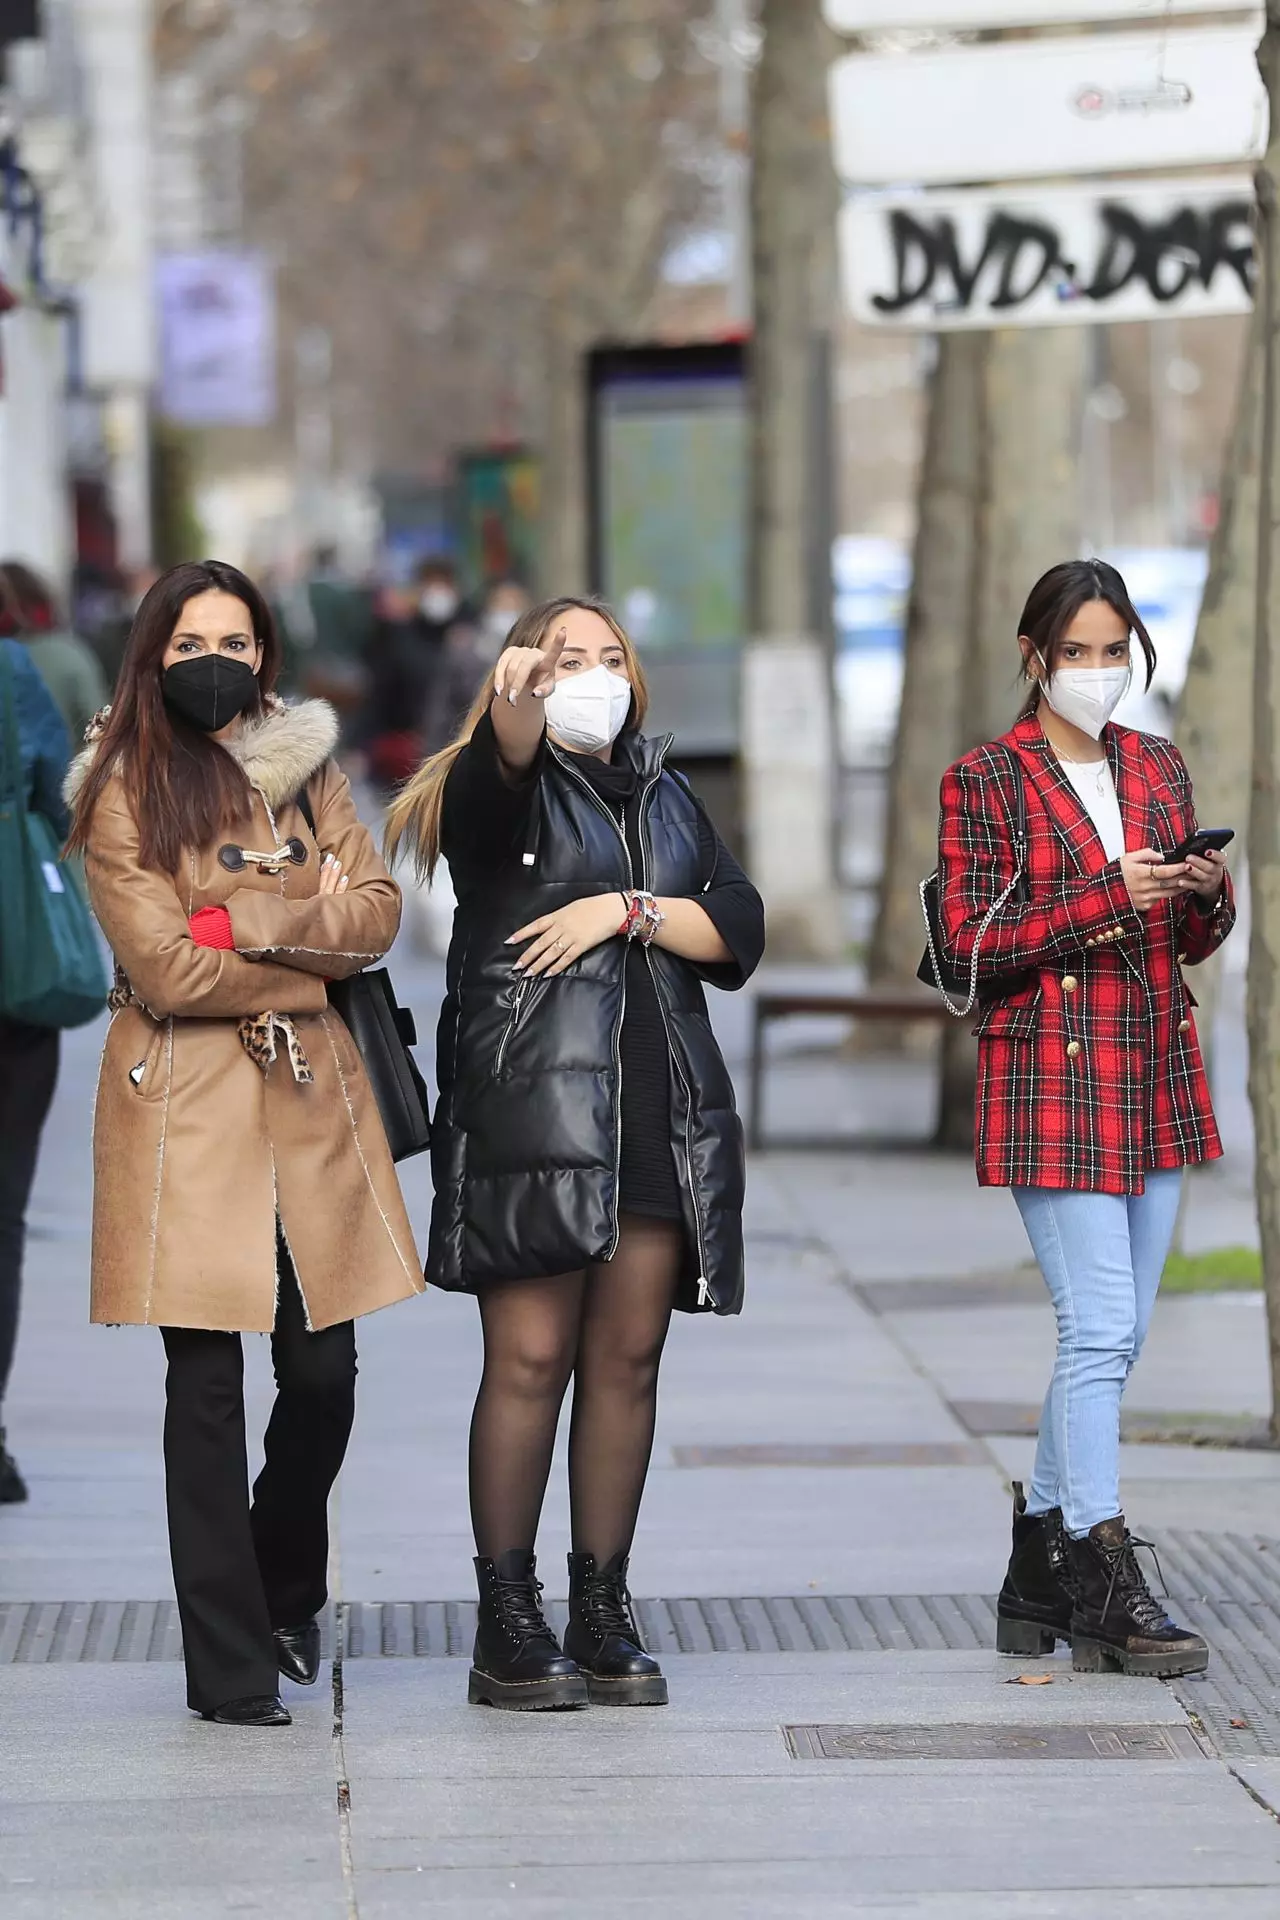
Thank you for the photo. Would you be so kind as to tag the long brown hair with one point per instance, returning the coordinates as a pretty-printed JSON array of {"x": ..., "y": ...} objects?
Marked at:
[
  {"x": 182, "y": 786},
  {"x": 414, "y": 814},
  {"x": 1053, "y": 604}
]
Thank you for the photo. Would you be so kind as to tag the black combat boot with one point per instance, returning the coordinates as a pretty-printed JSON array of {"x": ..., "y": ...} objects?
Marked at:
[
  {"x": 517, "y": 1661},
  {"x": 604, "y": 1639},
  {"x": 1034, "y": 1609},
  {"x": 1118, "y": 1624},
  {"x": 13, "y": 1488}
]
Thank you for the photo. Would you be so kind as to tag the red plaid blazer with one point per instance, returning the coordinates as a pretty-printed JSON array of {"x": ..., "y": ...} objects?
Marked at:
[{"x": 1089, "y": 1069}]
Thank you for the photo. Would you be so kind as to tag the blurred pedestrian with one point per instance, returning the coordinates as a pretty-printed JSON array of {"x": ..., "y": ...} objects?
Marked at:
[
  {"x": 471, "y": 647},
  {"x": 242, "y": 1181},
  {"x": 1055, "y": 884},
  {"x": 28, "y": 1055},
  {"x": 326, "y": 626},
  {"x": 407, "y": 660},
  {"x": 587, "y": 1157},
  {"x": 501, "y": 605},
  {"x": 110, "y": 635},
  {"x": 67, "y": 664}
]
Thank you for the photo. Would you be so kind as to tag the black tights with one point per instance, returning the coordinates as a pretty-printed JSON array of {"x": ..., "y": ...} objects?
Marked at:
[{"x": 605, "y": 1327}]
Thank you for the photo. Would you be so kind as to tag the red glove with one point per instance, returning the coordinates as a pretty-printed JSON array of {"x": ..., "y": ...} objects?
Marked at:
[{"x": 211, "y": 927}]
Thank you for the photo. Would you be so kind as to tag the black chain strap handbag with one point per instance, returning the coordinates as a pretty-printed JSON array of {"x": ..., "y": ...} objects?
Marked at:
[
  {"x": 935, "y": 970},
  {"x": 384, "y": 1034}
]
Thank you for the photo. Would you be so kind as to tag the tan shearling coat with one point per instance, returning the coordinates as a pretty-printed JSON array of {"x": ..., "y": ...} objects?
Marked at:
[{"x": 196, "y": 1149}]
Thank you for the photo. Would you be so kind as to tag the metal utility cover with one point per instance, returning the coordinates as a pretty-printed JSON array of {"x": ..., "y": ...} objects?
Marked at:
[
  {"x": 1022, "y": 110},
  {"x": 993, "y": 1743},
  {"x": 884, "y": 16}
]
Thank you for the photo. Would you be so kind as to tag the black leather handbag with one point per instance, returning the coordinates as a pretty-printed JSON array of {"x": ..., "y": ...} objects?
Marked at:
[
  {"x": 935, "y": 970},
  {"x": 383, "y": 1032}
]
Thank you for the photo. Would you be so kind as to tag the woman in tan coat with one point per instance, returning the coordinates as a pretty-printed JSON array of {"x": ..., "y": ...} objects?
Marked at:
[{"x": 242, "y": 1181}]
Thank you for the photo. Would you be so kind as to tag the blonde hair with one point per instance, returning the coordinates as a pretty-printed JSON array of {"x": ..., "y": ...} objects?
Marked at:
[{"x": 415, "y": 813}]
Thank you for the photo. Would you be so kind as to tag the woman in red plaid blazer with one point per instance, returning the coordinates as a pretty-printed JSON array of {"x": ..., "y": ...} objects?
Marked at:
[{"x": 1091, "y": 1095}]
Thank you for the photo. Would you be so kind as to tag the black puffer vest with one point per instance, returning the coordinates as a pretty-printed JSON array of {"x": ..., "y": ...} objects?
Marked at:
[{"x": 528, "y": 1130}]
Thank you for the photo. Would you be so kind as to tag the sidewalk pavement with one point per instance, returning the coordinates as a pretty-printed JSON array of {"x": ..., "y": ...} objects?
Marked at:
[{"x": 855, "y": 1546}]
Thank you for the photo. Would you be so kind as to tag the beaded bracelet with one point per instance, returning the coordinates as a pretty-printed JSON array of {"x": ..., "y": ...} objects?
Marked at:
[{"x": 644, "y": 917}]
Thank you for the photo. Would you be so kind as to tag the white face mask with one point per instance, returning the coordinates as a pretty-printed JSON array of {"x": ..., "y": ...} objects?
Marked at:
[
  {"x": 587, "y": 711},
  {"x": 438, "y": 604},
  {"x": 1086, "y": 697}
]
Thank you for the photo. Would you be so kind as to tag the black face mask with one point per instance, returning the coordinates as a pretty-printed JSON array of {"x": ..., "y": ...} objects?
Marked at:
[{"x": 209, "y": 691}]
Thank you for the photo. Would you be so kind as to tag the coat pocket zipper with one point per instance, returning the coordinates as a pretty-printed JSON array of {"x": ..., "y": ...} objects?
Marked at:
[{"x": 517, "y": 1003}]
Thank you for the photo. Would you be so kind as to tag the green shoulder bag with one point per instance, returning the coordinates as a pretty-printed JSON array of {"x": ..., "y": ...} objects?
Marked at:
[{"x": 51, "y": 967}]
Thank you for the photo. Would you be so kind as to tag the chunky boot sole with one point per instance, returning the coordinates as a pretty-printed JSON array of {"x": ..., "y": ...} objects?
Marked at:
[
  {"x": 626, "y": 1690},
  {"x": 527, "y": 1696},
  {"x": 1096, "y": 1656},
  {"x": 1026, "y": 1636}
]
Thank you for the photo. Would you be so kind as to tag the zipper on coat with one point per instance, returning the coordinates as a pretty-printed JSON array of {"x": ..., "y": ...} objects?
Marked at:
[
  {"x": 704, "y": 1285},
  {"x": 598, "y": 803},
  {"x": 522, "y": 987}
]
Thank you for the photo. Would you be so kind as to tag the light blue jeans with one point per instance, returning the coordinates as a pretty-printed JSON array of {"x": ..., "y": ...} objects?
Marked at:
[{"x": 1102, "y": 1255}]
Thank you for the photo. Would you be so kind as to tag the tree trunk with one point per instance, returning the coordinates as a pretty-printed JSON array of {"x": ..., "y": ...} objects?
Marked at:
[
  {"x": 788, "y": 731},
  {"x": 1030, "y": 519},
  {"x": 1264, "y": 822},
  {"x": 936, "y": 652},
  {"x": 562, "y": 563},
  {"x": 1221, "y": 665},
  {"x": 1030, "y": 512}
]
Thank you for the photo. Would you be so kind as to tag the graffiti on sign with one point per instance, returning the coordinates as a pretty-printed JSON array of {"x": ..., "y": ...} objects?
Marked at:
[{"x": 973, "y": 260}]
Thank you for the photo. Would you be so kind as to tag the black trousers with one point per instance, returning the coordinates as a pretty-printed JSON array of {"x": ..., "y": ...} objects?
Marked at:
[
  {"x": 28, "y": 1075},
  {"x": 242, "y": 1570}
]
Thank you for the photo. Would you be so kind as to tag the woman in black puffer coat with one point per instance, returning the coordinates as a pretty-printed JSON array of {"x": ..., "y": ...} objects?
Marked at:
[{"x": 587, "y": 1153}]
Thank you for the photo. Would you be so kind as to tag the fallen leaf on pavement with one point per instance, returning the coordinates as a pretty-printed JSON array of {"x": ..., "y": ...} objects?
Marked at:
[{"x": 1031, "y": 1680}]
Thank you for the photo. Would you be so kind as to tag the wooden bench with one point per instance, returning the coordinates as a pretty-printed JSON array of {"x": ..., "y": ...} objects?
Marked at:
[{"x": 865, "y": 1004}]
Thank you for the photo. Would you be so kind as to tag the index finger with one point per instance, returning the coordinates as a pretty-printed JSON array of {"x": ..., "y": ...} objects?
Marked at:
[{"x": 552, "y": 653}]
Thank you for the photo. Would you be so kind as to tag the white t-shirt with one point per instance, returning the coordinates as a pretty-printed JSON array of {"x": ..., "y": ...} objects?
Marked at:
[{"x": 1096, "y": 788}]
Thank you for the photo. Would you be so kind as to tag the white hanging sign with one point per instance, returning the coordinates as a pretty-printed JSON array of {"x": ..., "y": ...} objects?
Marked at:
[
  {"x": 1024, "y": 109},
  {"x": 1049, "y": 256},
  {"x": 885, "y": 16}
]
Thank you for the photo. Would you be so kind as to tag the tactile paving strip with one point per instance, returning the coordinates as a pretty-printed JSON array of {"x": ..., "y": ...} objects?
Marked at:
[{"x": 1226, "y": 1586}]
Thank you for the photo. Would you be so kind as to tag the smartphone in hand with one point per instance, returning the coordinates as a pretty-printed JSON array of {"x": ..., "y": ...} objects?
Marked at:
[{"x": 1203, "y": 840}]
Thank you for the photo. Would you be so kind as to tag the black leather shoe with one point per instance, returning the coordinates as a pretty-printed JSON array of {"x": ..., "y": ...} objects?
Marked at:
[
  {"x": 298, "y": 1652},
  {"x": 257, "y": 1710},
  {"x": 518, "y": 1663},
  {"x": 604, "y": 1639},
  {"x": 1118, "y": 1624},
  {"x": 13, "y": 1488},
  {"x": 1034, "y": 1609}
]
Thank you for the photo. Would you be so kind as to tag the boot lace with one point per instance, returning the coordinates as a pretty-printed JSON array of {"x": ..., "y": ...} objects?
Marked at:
[
  {"x": 521, "y": 1604},
  {"x": 1129, "y": 1584},
  {"x": 608, "y": 1601}
]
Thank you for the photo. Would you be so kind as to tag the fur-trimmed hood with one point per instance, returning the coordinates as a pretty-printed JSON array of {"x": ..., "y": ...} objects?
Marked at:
[{"x": 279, "y": 751}]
